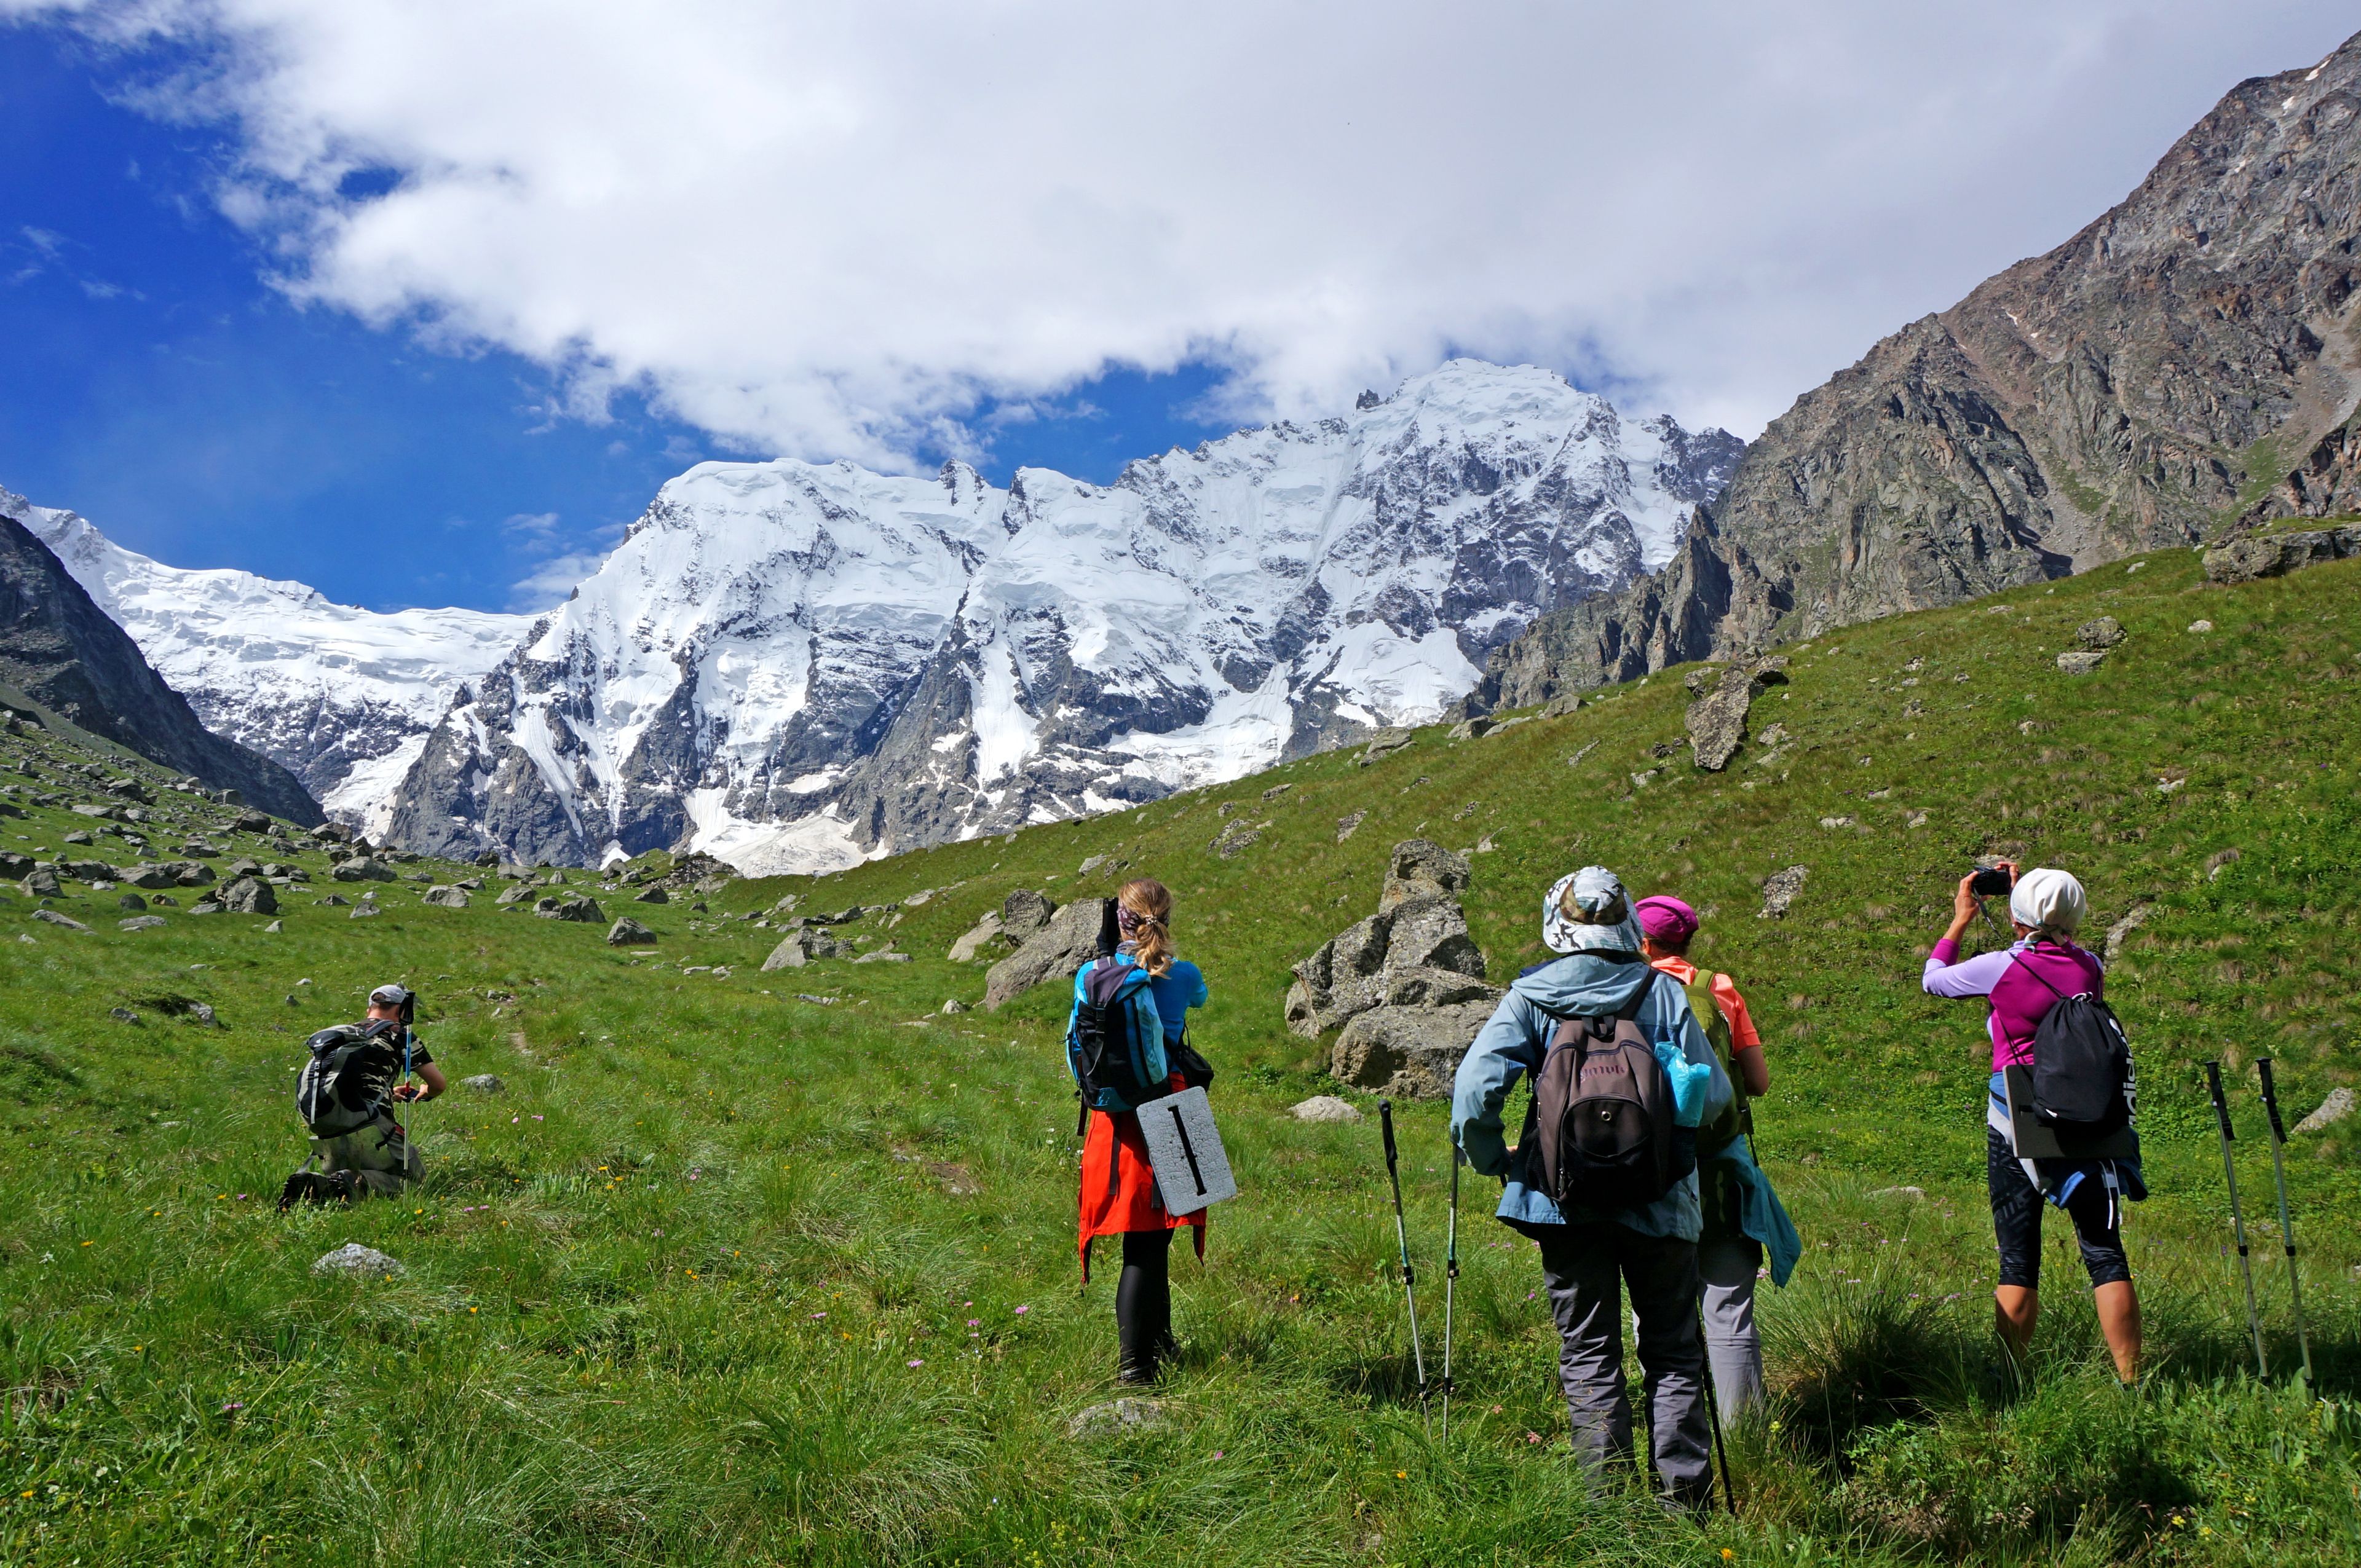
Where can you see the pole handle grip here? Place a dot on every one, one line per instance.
(1386, 1124)
(2220, 1105)
(2272, 1099)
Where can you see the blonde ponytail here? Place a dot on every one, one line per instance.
(1150, 903)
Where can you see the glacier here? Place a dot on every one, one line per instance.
(797, 667)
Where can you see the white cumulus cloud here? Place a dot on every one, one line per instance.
(846, 231)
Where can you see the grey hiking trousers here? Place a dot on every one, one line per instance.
(1586, 1267)
(1727, 1267)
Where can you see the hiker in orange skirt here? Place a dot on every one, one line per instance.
(1125, 1041)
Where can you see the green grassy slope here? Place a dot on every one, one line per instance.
(609, 1346)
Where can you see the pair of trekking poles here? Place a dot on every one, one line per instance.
(1450, 1288)
(2238, 1218)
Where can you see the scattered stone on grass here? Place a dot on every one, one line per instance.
(627, 932)
(2120, 932)
(54, 918)
(2102, 633)
(1348, 826)
(1115, 1418)
(2081, 661)
(1383, 743)
(1236, 839)
(953, 1005)
(361, 911)
(444, 897)
(123, 1015)
(1913, 1193)
(357, 1262)
(977, 938)
(2200, 627)
(140, 923)
(1779, 890)
(2332, 1109)
(1324, 1108)
(274, 928)
(485, 1083)
(655, 894)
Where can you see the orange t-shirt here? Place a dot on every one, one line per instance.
(1742, 1036)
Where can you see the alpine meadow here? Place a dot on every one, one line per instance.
(742, 1265)
(955, 898)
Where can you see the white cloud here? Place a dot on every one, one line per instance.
(832, 231)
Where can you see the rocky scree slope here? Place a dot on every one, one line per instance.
(797, 667)
(61, 651)
(2188, 360)
(340, 696)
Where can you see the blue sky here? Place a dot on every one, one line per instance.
(420, 300)
(157, 383)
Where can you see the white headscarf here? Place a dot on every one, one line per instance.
(2049, 899)
(1602, 921)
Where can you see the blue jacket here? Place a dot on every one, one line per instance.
(1146, 1029)
(1760, 1215)
(1512, 1045)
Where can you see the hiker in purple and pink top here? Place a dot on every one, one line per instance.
(2021, 983)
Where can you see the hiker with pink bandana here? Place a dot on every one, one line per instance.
(1742, 1215)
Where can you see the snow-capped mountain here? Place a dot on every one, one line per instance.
(343, 697)
(796, 667)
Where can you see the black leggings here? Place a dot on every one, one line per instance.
(2017, 1206)
(1143, 1303)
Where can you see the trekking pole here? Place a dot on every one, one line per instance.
(1450, 1284)
(1713, 1414)
(2286, 1223)
(2237, 1218)
(1401, 1242)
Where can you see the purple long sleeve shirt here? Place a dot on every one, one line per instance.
(2019, 999)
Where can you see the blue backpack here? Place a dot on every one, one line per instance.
(1115, 1043)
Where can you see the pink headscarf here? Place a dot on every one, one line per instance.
(1667, 920)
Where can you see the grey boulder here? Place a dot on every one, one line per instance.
(1779, 890)
(2081, 661)
(249, 895)
(444, 897)
(485, 1083)
(1054, 951)
(629, 933)
(579, 908)
(1324, 1108)
(1409, 1053)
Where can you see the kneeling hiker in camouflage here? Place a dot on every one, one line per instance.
(345, 1092)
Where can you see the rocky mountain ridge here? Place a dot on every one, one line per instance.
(2189, 361)
(61, 651)
(797, 668)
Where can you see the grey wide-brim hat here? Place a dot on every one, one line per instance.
(1588, 912)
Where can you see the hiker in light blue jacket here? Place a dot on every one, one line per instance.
(1587, 1257)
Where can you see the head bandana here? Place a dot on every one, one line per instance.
(1667, 919)
(1601, 919)
(2050, 898)
(1130, 924)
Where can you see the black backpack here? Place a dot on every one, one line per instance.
(2082, 1081)
(1604, 1134)
(351, 1076)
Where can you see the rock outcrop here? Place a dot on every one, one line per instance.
(1716, 719)
(1401, 984)
(2188, 356)
(2255, 557)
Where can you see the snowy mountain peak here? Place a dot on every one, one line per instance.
(796, 667)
